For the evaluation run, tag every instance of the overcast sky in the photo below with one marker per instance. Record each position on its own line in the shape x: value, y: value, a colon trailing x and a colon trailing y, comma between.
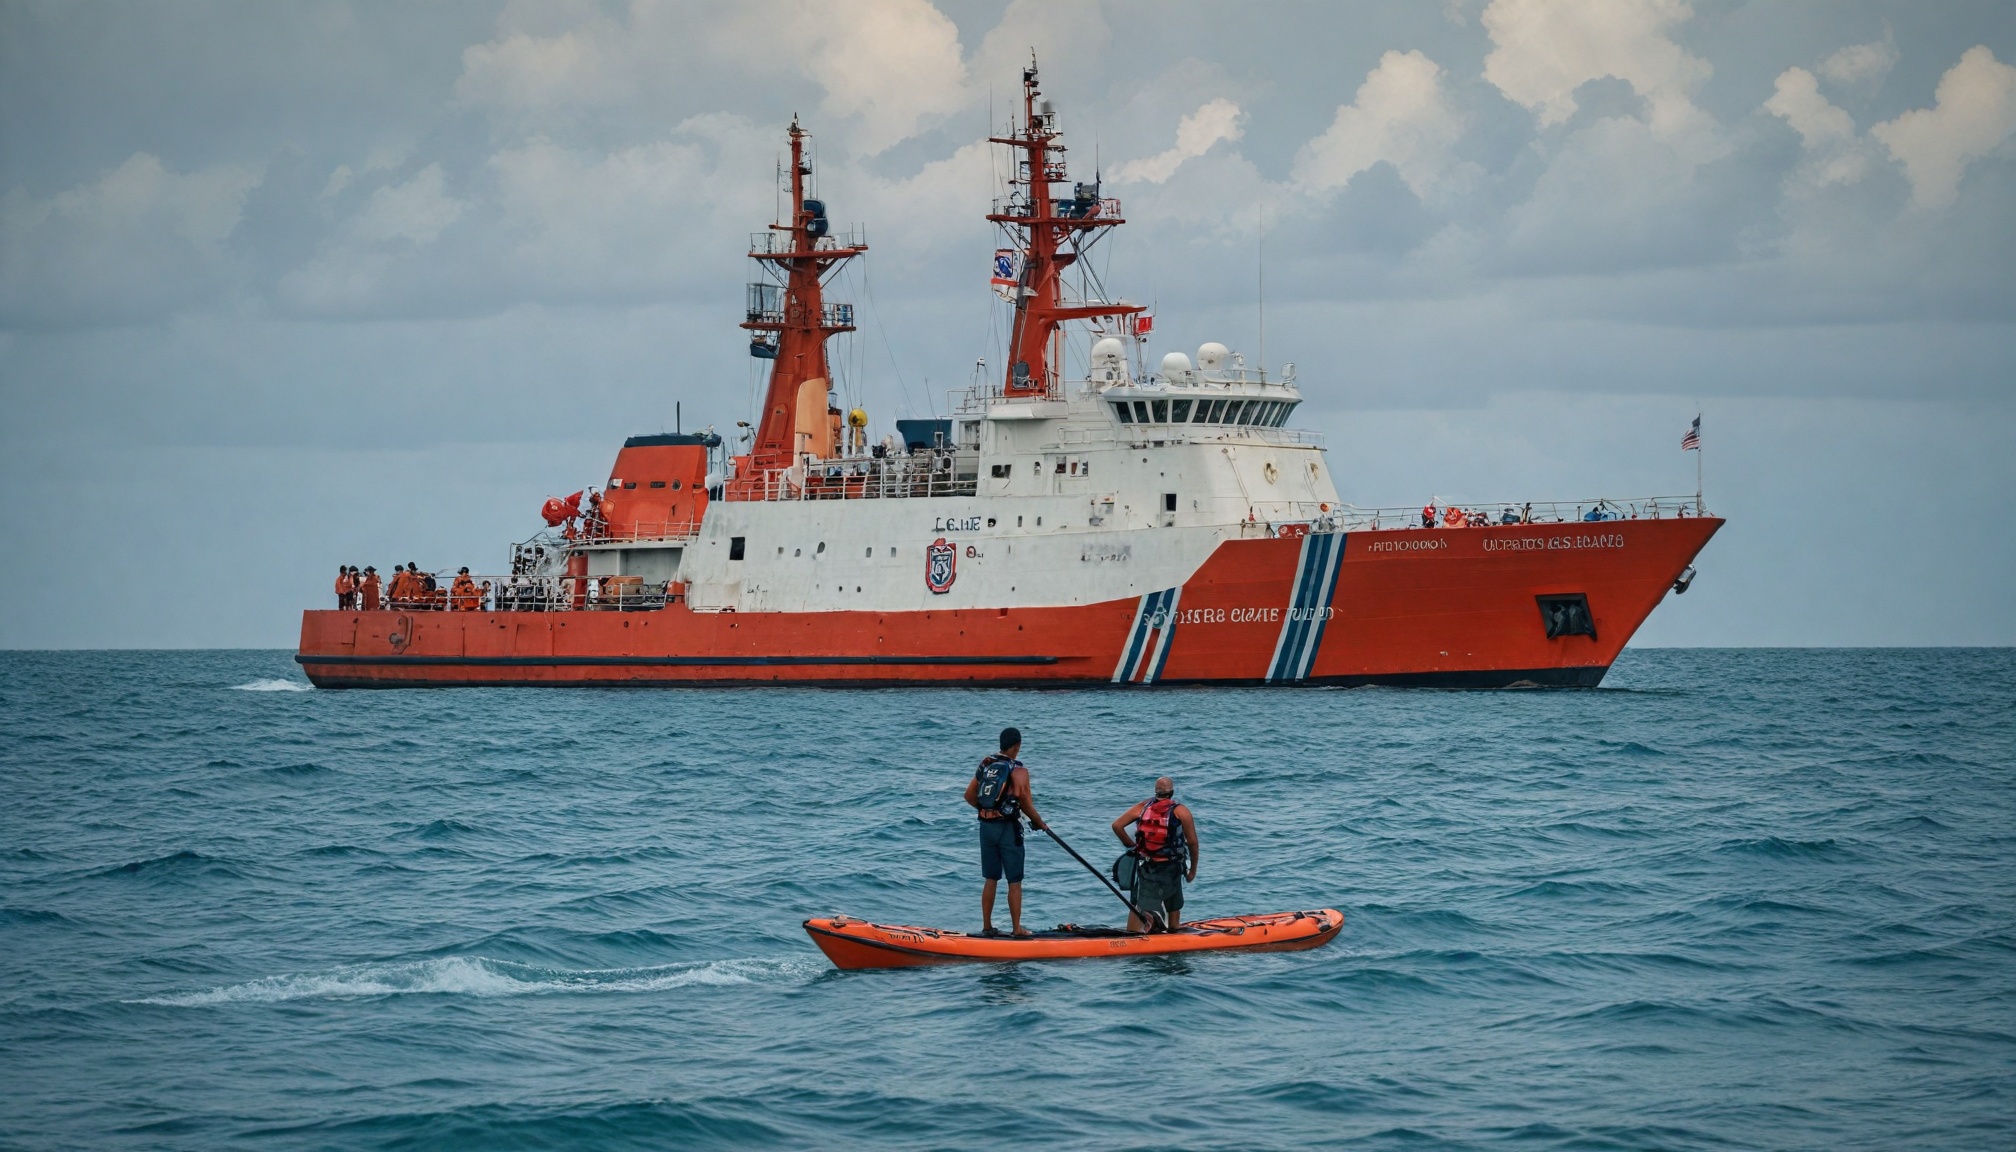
x: 284, y: 286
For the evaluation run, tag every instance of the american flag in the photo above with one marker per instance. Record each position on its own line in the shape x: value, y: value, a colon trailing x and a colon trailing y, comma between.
x: 1691, y: 442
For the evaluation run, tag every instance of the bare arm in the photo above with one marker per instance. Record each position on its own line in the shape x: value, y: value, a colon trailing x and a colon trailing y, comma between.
x: 1190, y: 832
x: 1028, y: 798
x: 973, y: 792
x: 1126, y: 818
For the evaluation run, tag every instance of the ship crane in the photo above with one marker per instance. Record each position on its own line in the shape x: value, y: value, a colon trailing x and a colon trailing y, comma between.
x: 1052, y: 233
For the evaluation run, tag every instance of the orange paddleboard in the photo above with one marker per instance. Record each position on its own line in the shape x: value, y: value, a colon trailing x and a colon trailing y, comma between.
x: 852, y: 943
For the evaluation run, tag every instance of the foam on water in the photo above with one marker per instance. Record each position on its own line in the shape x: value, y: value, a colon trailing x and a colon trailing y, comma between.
x: 479, y: 976
x: 273, y: 686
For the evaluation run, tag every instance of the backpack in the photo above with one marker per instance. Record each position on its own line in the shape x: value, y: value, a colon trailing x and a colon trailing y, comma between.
x: 1158, y: 833
x: 996, y: 774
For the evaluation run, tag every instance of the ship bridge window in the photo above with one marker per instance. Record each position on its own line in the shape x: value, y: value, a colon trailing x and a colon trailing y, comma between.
x: 1179, y: 412
x: 1140, y: 411
x: 1217, y: 413
x: 1566, y: 615
x: 1161, y: 408
x: 1123, y: 410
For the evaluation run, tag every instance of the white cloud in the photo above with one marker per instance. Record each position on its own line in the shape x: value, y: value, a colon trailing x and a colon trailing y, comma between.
x: 416, y: 211
x: 1218, y: 120
x: 887, y: 69
x: 1401, y: 115
x: 1975, y: 115
x: 1545, y: 49
x: 140, y: 241
x: 1837, y: 153
x: 1860, y: 63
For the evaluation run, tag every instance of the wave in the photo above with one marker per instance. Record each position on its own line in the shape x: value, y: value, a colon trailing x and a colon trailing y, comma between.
x: 483, y: 977
x: 273, y: 686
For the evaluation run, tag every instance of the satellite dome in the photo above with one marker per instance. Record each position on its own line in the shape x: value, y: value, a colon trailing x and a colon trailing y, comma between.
x: 1108, y: 353
x: 1211, y: 357
x: 1175, y: 364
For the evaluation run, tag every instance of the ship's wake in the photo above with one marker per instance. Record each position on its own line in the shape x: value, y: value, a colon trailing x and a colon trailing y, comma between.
x: 273, y: 686
x: 480, y: 976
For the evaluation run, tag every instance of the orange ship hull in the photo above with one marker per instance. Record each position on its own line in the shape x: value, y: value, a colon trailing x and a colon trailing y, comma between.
x: 855, y: 944
x: 1444, y: 608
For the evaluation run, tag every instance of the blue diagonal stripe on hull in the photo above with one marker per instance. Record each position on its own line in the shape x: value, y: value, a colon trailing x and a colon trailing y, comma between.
x: 1167, y: 639
x: 1302, y: 631
x: 1326, y: 592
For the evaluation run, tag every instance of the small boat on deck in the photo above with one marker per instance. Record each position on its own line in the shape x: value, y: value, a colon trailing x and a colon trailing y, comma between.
x: 853, y: 944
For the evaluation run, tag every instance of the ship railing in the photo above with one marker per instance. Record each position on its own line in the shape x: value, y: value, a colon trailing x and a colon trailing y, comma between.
x: 918, y: 476
x: 1595, y: 510
x: 1156, y: 435
x: 776, y: 243
x: 546, y: 593
x: 974, y: 399
x: 830, y: 316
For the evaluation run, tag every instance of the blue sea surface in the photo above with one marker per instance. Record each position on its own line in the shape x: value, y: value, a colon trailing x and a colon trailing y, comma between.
x: 1732, y: 899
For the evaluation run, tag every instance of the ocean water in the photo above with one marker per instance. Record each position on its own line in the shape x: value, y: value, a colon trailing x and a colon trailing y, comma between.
x: 1733, y: 899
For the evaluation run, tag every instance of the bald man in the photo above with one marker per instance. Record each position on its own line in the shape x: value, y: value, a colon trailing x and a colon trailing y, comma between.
x: 1165, y: 846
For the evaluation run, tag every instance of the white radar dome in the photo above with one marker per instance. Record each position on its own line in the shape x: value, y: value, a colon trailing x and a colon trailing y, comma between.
x: 1108, y: 353
x: 1211, y: 357
x: 1175, y: 364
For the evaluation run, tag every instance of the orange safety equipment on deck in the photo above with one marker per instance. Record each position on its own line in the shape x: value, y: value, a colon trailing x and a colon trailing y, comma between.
x: 851, y: 943
x: 1452, y: 517
x: 463, y: 594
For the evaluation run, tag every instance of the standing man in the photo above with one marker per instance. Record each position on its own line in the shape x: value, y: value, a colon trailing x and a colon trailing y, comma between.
x: 1165, y: 844
x: 999, y: 791
x: 344, y: 586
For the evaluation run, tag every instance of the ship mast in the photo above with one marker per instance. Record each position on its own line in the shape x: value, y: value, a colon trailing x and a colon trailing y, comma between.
x: 1052, y: 233
x: 791, y: 321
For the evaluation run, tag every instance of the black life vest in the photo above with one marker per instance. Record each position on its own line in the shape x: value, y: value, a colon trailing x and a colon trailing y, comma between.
x: 996, y: 775
x: 1158, y: 834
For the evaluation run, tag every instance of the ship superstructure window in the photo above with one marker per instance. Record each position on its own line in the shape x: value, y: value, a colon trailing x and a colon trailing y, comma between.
x: 735, y: 546
x: 657, y: 484
x: 1000, y: 471
x: 1179, y: 411
x: 1124, y: 411
x: 1168, y: 501
x: 1161, y: 410
x: 1567, y: 615
x: 1140, y: 411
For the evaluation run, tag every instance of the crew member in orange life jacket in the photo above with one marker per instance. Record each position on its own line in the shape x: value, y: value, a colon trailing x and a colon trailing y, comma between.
x: 1000, y: 792
x: 1165, y: 846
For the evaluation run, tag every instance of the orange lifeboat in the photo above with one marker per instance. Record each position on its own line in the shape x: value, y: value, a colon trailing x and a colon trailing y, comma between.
x: 853, y: 944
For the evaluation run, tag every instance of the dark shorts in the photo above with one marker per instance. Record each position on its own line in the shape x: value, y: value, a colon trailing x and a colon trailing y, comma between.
x: 1158, y: 889
x: 1001, y: 850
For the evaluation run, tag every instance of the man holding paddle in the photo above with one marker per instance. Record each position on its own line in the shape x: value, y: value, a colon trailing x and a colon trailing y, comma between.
x: 999, y: 791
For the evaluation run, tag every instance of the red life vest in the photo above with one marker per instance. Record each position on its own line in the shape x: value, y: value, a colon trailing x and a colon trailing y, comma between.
x: 1158, y: 834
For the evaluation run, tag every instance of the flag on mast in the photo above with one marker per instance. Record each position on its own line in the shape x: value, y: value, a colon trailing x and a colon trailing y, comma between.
x: 1007, y: 272
x: 1691, y: 442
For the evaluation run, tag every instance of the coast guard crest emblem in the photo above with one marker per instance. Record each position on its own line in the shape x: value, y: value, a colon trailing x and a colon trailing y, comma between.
x: 941, y: 566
